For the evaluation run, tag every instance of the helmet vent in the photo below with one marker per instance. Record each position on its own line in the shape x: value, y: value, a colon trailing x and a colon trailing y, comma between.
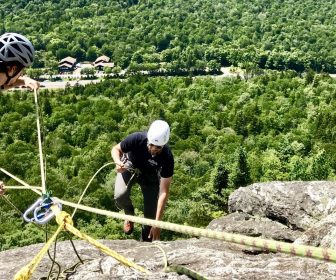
x: 24, y: 59
x: 10, y: 53
x: 16, y: 47
x: 19, y: 39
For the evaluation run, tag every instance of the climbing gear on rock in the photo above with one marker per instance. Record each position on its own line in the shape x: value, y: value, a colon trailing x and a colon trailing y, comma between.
x: 40, y: 210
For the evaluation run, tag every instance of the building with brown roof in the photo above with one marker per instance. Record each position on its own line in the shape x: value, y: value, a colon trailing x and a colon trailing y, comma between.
x: 103, y: 59
x: 67, y: 64
x: 102, y: 62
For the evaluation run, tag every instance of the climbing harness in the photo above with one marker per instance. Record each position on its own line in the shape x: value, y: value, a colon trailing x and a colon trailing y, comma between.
x: 40, y: 211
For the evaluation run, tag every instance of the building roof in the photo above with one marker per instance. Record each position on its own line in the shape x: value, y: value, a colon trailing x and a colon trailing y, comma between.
x: 68, y: 59
x: 66, y: 64
x: 105, y: 64
x: 102, y: 58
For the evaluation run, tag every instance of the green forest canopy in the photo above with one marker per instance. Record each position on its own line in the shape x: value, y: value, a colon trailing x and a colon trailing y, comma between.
x: 177, y: 35
x: 226, y: 133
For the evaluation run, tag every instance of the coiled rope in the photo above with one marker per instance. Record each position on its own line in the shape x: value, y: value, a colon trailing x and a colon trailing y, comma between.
x: 175, y: 268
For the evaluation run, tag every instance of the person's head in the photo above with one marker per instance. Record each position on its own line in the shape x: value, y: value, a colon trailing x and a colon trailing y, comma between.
x: 158, y: 136
x: 16, y: 53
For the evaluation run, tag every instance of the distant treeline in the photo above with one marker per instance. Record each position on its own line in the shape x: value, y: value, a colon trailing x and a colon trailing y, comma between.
x: 179, y: 35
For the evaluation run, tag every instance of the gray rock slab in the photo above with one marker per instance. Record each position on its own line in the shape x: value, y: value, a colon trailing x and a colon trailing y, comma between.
x: 211, y: 258
x: 298, y: 204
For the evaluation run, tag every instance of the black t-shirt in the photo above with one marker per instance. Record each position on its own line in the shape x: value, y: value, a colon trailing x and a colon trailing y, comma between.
x: 135, y: 145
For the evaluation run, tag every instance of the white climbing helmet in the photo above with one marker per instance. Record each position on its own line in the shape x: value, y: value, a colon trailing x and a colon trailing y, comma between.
x: 158, y: 133
x: 15, y: 47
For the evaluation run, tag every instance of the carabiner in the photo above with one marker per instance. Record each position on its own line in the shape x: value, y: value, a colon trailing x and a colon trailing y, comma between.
x: 31, y: 209
x: 40, y: 210
x: 43, y: 213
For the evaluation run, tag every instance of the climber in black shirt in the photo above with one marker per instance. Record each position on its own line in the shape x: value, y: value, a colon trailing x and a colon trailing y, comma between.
x: 144, y: 158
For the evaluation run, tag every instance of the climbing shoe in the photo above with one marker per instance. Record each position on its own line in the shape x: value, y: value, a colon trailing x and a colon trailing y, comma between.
x: 144, y: 234
x: 128, y: 227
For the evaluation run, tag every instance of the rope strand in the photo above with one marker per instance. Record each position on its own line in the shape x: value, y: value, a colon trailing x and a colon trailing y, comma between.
x: 39, y: 142
x: 20, y: 181
x: 87, y: 186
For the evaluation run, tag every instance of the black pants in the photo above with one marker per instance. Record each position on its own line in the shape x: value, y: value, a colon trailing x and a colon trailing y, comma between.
x: 149, y: 183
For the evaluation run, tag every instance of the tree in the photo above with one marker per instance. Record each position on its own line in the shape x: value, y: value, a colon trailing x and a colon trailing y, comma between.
x: 34, y: 73
x: 62, y: 53
x: 47, y: 108
x: 320, y: 165
x: 92, y: 54
x: 241, y: 175
x: 88, y: 72
x: 271, y: 166
x: 221, y: 176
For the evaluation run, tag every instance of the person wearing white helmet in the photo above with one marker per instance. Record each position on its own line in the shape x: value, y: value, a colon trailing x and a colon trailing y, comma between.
x: 16, y: 53
x: 146, y: 159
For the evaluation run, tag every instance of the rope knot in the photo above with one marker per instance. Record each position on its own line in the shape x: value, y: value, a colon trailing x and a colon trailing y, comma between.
x: 63, y: 218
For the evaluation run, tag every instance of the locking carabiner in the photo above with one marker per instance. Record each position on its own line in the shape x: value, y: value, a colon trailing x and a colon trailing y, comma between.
x: 40, y: 210
x: 43, y: 213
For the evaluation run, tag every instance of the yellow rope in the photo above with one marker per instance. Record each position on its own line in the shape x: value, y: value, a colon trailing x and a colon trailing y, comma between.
x: 20, y: 181
x: 105, y: 249
x: 22, y: 188
x: 64, y: 218
x: 39, y: 142
x: 87, y: 186
x: 270, y: 245
x: 65, y: 222
x: 27, y: 271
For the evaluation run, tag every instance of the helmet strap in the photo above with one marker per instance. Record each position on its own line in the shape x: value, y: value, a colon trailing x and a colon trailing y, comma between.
x: 12, y: 76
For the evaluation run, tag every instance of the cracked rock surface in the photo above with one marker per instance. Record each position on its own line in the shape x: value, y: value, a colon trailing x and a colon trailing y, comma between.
x: 299, y: 212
